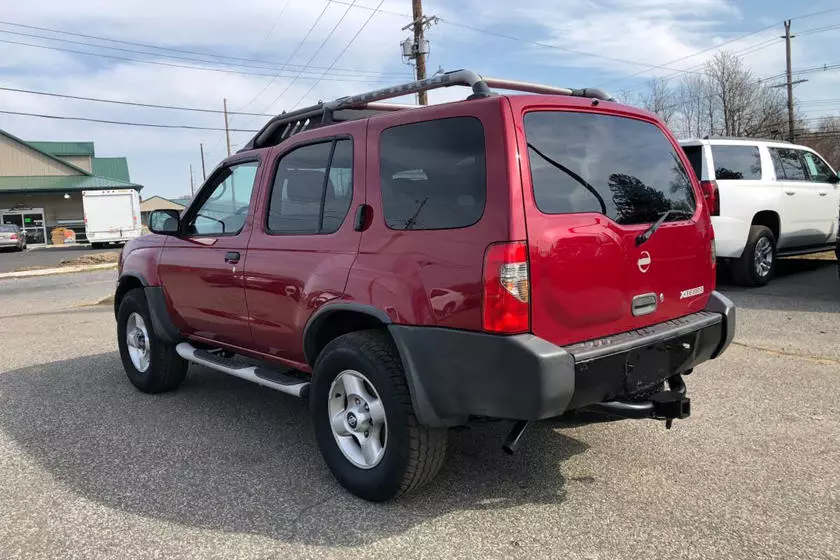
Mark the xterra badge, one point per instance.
(692, 292)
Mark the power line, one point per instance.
(291, 56)
(165, 49)
(337, 58)
(174, 65)
(123, 123)
(131, 103)
(311, 58)
(521, 40)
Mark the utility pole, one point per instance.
(420, 60)
(417, 49)
(203, 168)
(227, 127)
(788, 37)
(192, 183)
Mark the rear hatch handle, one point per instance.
(648, 233)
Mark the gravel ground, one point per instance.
(91, 468)
(47, 257)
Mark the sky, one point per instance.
(266, 56)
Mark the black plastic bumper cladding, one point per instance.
(456, 374)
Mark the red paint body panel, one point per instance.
(288, 277)
(584, 267)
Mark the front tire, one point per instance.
(364, 420)
(151, 365)
(757, 264)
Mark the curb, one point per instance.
(59, 270)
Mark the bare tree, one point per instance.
(662, 100)
(825, 139)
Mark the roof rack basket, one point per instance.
(364, 105)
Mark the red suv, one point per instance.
(409, 269)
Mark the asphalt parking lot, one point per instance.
(91, 468)
(46, 257)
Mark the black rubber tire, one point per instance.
(413, 453)
(743, 269)
(167, 369)
(97, 245)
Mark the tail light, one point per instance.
(712, 196)
(13, 236)
(507, 288)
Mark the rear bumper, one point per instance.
(5, 243)
(457, 374)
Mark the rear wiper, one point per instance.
(648, 233)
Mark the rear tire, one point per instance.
(411, 454)
(151, 365)
(757, 264)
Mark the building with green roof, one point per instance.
(41, 183)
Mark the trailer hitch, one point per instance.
(667, 405)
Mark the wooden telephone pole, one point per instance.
(420, 60)
(227, 127)
(788, 37)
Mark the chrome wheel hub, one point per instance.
(357, 419)
(137, 340)
(763, 257)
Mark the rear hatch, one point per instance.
(595, 180)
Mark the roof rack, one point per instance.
(365, 105)
(746, 139)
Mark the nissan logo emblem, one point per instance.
(644, 261)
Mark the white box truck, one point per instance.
(111, 216)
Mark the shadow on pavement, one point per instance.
(227, 455)
(800, 285)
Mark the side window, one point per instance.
(792, 164)
(777, 163)
(818, 169)
(433, 174)
(224, 211)
(312, 194)
(736, 163)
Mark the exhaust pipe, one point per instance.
(512, 440)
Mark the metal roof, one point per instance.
(111, 168)
(64, 148)
(61, 184)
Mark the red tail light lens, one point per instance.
(13, 236)
(507, 288)
(712, 196)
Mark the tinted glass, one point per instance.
(818, 169)
(8, 229)
(225, 210)
(299, 202)
(777, 163)
(433, 174)
(623, 168)
(736, 163)
(792, 164)
(695, 157)
(339, 187)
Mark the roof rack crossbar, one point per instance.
(289, 124)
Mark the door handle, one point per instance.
(823, 193)
(232, 257)
(790, 192)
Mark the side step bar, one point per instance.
(261, 376)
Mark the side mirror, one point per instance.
(834, 179)
(165, 222)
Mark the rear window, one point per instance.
(735, 163)
(623, 168)
(695, 158)
(433, 174)
(8, 229)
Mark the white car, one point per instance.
(767, 199)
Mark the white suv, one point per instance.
(767, 199)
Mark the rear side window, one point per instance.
(736, 163)
(623, 168)
(695, 158)
(312, 189)
(433, 174)
(789, 164)
(819, 170)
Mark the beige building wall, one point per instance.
(17, 160)
(158, 203)
(85, 162)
